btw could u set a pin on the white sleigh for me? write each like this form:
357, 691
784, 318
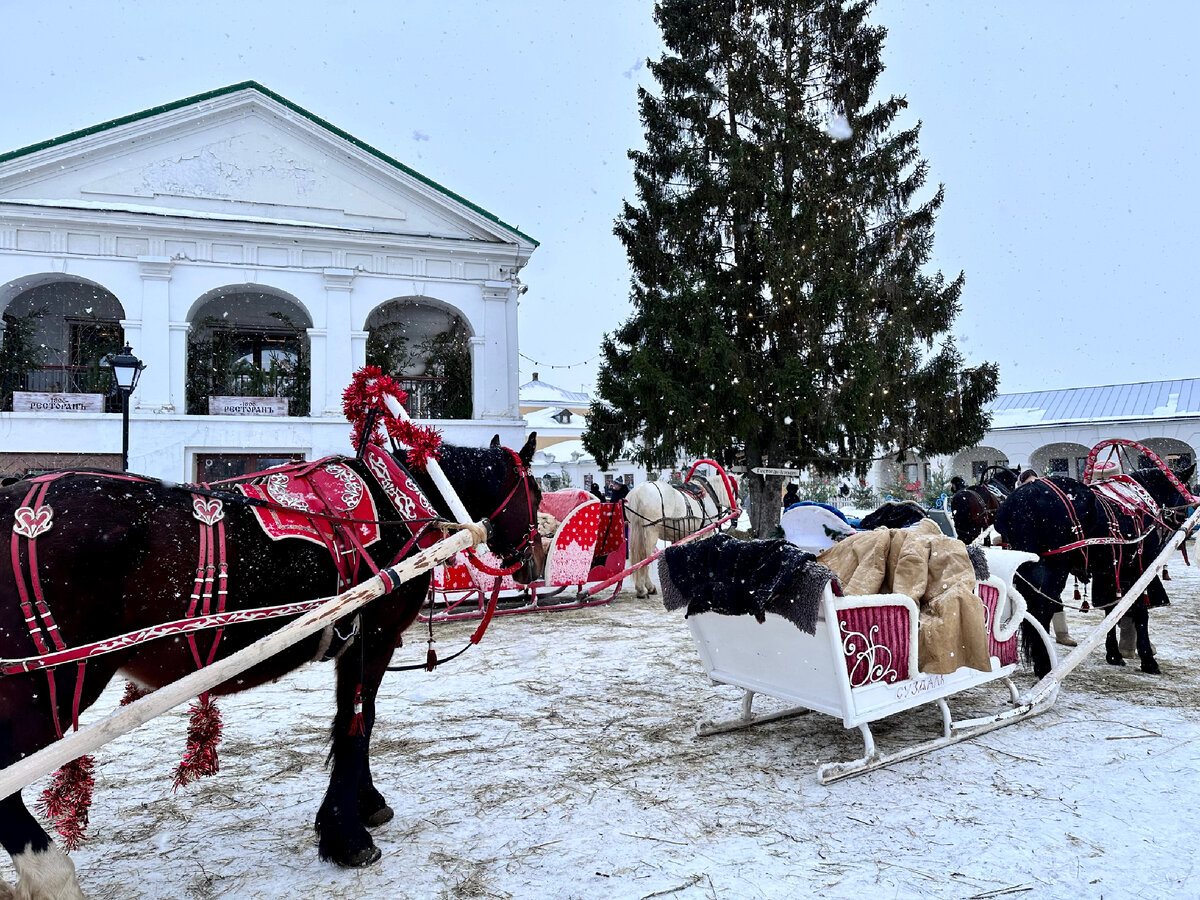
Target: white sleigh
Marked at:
861, 664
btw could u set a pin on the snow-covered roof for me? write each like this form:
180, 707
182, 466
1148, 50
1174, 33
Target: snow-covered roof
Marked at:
543, 420
542, 393
566, 452
1143, 400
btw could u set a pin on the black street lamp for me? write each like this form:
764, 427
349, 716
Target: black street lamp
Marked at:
126, 369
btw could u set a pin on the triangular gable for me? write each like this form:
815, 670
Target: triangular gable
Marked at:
243, 151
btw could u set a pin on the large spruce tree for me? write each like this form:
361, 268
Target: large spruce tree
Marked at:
781, 311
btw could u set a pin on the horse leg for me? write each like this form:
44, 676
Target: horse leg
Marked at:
1112, 651
639, 549
1038, 583
44, 872
1141, 623
351, 802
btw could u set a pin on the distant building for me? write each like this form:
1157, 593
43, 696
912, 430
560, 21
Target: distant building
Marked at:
244, 248
559, 417
1053, 431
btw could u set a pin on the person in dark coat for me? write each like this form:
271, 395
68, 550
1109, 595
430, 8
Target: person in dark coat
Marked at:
598, 491
792, 495
619, 490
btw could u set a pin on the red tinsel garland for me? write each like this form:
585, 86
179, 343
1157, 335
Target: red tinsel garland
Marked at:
365, 392
67, 800
134, 692
204, 734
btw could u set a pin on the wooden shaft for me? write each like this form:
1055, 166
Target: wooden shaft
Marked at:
46, 760
608, 582
1055, 676
396, 408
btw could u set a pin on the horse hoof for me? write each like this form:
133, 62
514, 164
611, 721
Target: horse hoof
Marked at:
653, 589
1115, 660
361, 859
1129, 652
382, 815
1150, 667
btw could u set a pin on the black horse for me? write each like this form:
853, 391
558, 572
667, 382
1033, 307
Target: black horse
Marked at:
974, 507
116, 554
1076, 531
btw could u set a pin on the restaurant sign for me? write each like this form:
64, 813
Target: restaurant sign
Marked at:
45, 402
247, 406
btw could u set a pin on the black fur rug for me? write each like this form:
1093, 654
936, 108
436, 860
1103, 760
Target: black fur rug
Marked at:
737, 578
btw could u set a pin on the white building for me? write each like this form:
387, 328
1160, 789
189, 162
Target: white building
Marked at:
243, 247
1053, 431
559, 417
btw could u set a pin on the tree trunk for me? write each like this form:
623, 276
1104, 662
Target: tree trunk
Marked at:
765, 503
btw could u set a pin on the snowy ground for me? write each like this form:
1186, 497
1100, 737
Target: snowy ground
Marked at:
557, 760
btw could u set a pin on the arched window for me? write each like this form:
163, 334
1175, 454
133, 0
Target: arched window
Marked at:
55, 337
248, 343
427, 350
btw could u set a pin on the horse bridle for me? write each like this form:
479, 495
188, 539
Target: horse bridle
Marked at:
521, 554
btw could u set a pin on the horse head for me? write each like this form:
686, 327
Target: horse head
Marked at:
514, 519
1000, 475
1169, 491
495, 484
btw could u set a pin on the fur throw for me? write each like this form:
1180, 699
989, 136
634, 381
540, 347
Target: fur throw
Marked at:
734, 578
934, 570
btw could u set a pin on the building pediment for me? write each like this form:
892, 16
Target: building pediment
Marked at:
243, 151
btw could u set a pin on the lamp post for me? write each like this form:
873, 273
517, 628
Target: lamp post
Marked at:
126, 369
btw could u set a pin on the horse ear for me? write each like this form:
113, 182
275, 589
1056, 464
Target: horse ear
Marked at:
495, 444
529, 449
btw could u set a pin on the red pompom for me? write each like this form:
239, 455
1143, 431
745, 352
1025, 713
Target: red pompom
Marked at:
1085, 606
431, 659
204, 734
67, 800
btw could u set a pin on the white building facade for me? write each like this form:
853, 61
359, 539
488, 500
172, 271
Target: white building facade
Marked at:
242, 247
1053, 431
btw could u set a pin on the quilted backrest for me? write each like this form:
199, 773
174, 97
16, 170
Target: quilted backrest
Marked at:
591, 530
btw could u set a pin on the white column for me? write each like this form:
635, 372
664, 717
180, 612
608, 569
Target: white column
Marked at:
358, 349
317, 346
178, 355
500, 392
477, 357
339, 350
154, 343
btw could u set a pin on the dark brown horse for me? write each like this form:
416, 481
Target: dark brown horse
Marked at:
1076, 530
974, 508
96, 555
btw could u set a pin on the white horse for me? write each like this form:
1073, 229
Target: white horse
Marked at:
656, 511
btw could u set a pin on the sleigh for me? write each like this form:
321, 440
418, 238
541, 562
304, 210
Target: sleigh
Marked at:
585, 566
861, 665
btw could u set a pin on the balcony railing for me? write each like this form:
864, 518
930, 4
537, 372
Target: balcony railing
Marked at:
426, 396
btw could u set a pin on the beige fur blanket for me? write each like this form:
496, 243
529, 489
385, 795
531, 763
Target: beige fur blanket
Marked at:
932, 569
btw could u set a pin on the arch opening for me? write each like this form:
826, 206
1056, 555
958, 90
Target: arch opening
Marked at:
426, 348
245, 341
57, 334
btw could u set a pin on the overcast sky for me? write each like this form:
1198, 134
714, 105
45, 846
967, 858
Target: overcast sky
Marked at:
1063, 132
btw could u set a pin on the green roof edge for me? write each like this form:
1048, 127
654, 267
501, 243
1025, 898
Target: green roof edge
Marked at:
266, 92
